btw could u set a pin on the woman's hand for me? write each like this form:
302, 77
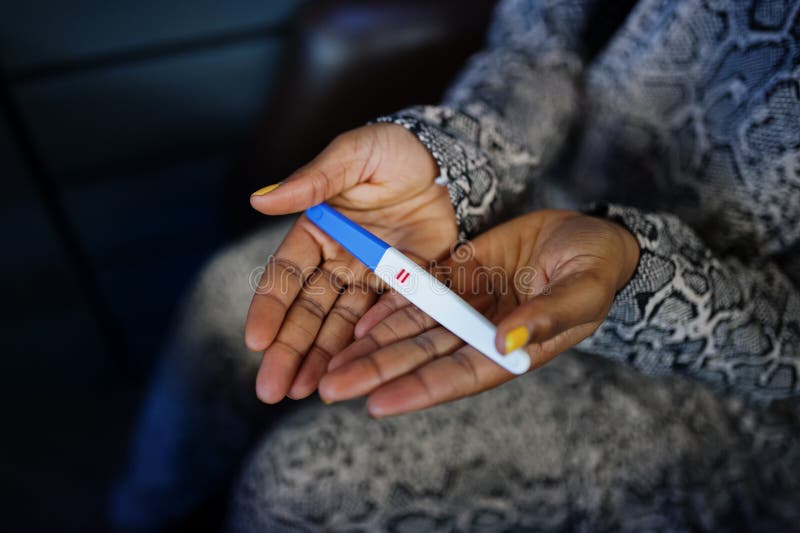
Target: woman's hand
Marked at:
380, 176
548, 280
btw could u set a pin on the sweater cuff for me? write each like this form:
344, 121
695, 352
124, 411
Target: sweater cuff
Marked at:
451, 138
662, 240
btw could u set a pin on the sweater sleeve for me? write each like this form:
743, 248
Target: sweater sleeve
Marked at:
730, 324
509, 111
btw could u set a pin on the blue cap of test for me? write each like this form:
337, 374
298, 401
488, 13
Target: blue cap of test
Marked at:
365, 246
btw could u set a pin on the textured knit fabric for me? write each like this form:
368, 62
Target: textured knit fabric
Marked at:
685, 128
691, 109
579, 445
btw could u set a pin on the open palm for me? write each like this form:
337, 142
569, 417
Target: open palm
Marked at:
313, 292
552, 273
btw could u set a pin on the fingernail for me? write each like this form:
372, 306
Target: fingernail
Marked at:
326, 402
264, 190
516, 338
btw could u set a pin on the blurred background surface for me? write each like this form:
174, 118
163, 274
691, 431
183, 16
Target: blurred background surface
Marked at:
131, 135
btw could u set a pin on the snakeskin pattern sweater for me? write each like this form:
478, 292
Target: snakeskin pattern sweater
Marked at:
687, 128
684, 127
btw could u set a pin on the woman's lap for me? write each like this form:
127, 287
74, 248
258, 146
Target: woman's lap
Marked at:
579, 443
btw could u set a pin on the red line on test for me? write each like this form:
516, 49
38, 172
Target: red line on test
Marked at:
402, 275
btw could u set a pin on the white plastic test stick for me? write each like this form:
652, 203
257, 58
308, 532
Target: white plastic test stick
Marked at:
418, 286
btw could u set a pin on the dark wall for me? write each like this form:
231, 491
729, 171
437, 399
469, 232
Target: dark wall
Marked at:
119, 121
132, 112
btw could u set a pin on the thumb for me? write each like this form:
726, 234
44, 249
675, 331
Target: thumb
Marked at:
347, 161
580, 299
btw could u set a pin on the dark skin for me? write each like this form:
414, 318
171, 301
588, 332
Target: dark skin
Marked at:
403, 361
382, 177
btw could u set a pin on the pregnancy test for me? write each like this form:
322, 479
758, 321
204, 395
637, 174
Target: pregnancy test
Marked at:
418, 286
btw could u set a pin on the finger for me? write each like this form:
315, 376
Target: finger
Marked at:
285, 273
297, 333
362, 375
336, 333
387, 304
579, 299
408, 321
391, 301
448, 378
344, 163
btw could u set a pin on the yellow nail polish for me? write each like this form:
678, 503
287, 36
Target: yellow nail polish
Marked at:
264, 190
516, 338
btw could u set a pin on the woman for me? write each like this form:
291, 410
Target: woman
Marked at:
685, 130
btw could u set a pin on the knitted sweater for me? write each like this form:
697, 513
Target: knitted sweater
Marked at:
686, 125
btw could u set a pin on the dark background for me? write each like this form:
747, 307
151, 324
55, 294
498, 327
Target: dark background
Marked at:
131, 134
